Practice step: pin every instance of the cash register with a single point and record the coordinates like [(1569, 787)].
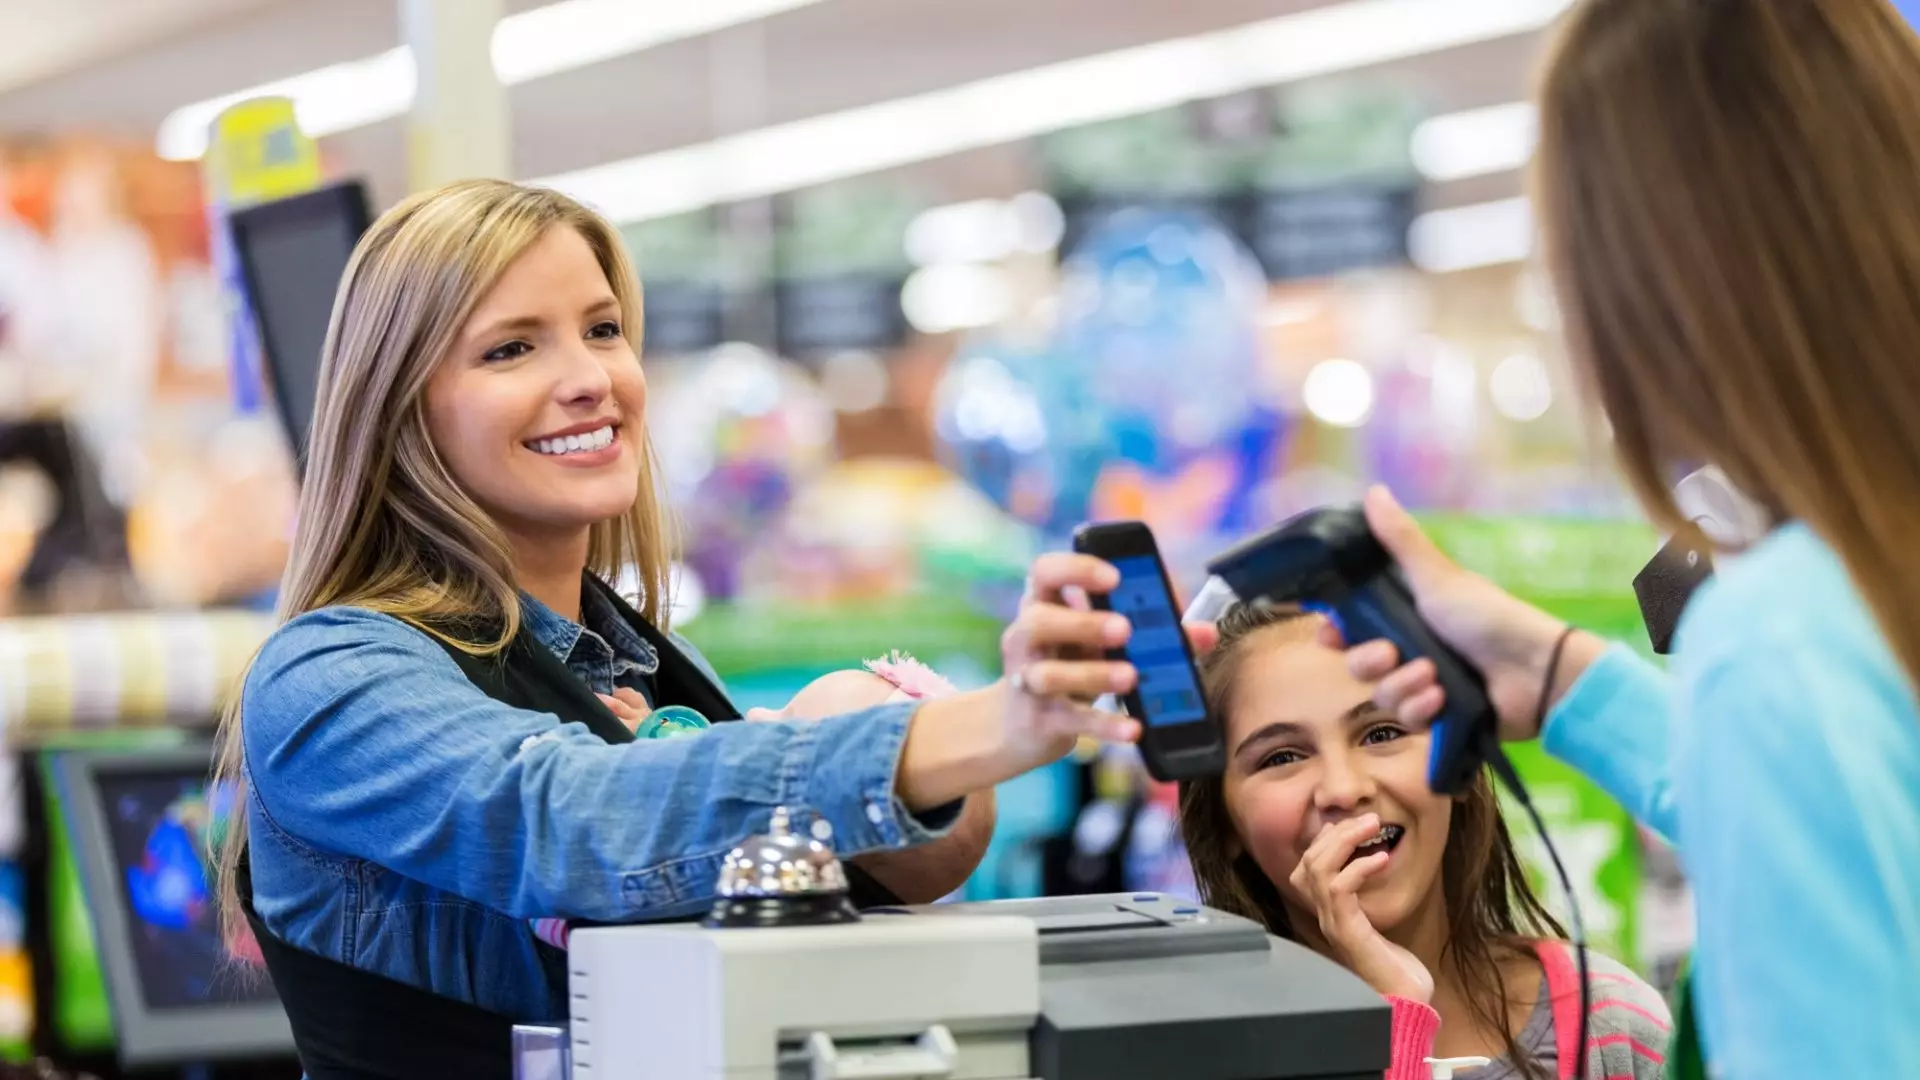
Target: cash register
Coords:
[(784, 980)]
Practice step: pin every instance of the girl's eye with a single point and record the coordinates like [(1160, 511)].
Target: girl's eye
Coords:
[(605, 331), (512, 350), (1382, 733), (1281, 757)]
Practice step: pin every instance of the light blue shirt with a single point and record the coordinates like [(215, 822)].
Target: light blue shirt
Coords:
[(1782, 758)]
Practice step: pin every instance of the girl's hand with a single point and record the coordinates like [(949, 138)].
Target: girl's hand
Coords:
[(1332, 885), (1509, 640), (628, 706)]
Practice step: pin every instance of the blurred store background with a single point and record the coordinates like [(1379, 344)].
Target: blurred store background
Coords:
[(928, 282)]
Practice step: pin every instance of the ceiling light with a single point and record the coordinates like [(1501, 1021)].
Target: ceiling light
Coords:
[(1520, 388), (533, 44), (1479, 142), (983, 230), (1485, 234), (1008, 108), (1339, 392), (330, 100), (576, 33), (956, 296)]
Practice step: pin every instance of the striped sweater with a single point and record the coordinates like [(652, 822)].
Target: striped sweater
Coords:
[(1627, 1025)]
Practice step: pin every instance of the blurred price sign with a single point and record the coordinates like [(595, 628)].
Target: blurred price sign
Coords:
[(258, 153), (1327, 230)]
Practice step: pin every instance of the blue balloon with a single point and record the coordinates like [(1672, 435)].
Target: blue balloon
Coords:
[(1155, 362), (1160, 319)]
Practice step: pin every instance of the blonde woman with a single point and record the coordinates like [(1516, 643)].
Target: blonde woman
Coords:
[(435, 744)]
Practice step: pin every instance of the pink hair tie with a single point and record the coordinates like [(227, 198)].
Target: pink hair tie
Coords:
[(911, 679)]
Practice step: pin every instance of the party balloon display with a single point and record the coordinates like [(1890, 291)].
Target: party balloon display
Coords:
[(1148, 401), (737, 433)]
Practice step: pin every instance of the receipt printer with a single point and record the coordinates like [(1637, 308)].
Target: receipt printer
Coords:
[(785, 982)]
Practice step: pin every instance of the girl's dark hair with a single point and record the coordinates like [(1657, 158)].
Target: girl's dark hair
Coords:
[(1492, 912)]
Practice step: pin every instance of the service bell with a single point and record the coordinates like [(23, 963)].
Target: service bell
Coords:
[(782, 879)]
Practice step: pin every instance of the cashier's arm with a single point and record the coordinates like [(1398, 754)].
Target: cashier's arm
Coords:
[(923, 874)]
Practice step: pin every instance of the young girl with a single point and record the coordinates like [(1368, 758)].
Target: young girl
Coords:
[(1324, 830)]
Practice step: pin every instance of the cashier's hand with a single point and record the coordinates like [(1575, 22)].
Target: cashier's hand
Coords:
[(1328, 881), (1508, 639), (628, 706), (1054, 655)]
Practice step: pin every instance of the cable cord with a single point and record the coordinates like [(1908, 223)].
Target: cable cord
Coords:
[(1496, 759), (1503, 768)]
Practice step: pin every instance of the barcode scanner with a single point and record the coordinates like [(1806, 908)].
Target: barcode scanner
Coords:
[(1329, 560)]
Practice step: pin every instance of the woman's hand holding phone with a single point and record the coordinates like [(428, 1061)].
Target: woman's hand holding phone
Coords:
[(1510, 641), (1331, 879), (1055, 658)]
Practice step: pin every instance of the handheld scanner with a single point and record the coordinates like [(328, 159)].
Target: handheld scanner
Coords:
[(1329, 561)]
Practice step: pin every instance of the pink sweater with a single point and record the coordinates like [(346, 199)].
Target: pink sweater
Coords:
[(1627, 1023)]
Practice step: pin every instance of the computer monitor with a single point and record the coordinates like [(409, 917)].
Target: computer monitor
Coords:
[(142, 824), (292, 253)]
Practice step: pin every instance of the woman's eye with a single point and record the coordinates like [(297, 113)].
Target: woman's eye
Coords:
[(1281, 757), (510, 351), (605, 330), (1384, 733)]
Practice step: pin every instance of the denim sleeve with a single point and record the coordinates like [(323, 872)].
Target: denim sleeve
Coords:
[(364, 740), (1614, 726)]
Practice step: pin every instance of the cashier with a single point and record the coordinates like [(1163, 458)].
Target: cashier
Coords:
[(427, 745)]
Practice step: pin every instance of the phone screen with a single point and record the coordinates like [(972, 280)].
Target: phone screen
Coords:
[(1158, 648)]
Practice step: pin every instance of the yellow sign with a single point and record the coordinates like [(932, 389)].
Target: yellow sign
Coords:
[(258, 154)]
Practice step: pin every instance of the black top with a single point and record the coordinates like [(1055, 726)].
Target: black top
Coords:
[(350, 1024)]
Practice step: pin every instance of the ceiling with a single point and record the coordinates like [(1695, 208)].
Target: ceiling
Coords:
[(40, 39), (160, 54)]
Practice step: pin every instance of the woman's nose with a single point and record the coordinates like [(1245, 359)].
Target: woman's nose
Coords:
[(583, 378)]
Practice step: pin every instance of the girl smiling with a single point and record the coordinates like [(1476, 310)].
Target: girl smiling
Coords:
[(1324, 830)]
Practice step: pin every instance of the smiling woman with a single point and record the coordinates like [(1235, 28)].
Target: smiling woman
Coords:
[(427, 746), (1324, 830), (529, 409)]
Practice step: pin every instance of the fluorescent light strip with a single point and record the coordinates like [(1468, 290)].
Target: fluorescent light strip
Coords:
[(530, 45), (1470, 237), (1011, 107), (561, 37), (1478, 142), (327, 101)]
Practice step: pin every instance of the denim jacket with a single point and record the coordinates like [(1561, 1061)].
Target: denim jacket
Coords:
[(401, 821)]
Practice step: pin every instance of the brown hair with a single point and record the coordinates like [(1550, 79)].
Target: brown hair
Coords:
[(1491, 910), (1726, 190), (383, 524)]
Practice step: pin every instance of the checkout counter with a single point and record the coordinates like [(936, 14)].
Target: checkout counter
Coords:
[(785, 981)]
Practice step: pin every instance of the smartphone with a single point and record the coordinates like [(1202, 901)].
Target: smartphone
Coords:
[(1180, 739)]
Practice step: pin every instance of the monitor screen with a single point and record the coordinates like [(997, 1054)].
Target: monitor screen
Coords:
[(144, 826), (292, 254), (162, 824)]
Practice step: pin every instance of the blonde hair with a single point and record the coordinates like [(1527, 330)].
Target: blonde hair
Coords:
[(383, 524), (1726, 192)]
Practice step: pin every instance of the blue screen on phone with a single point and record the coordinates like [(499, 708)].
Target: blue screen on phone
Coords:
[(1168, 693)]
